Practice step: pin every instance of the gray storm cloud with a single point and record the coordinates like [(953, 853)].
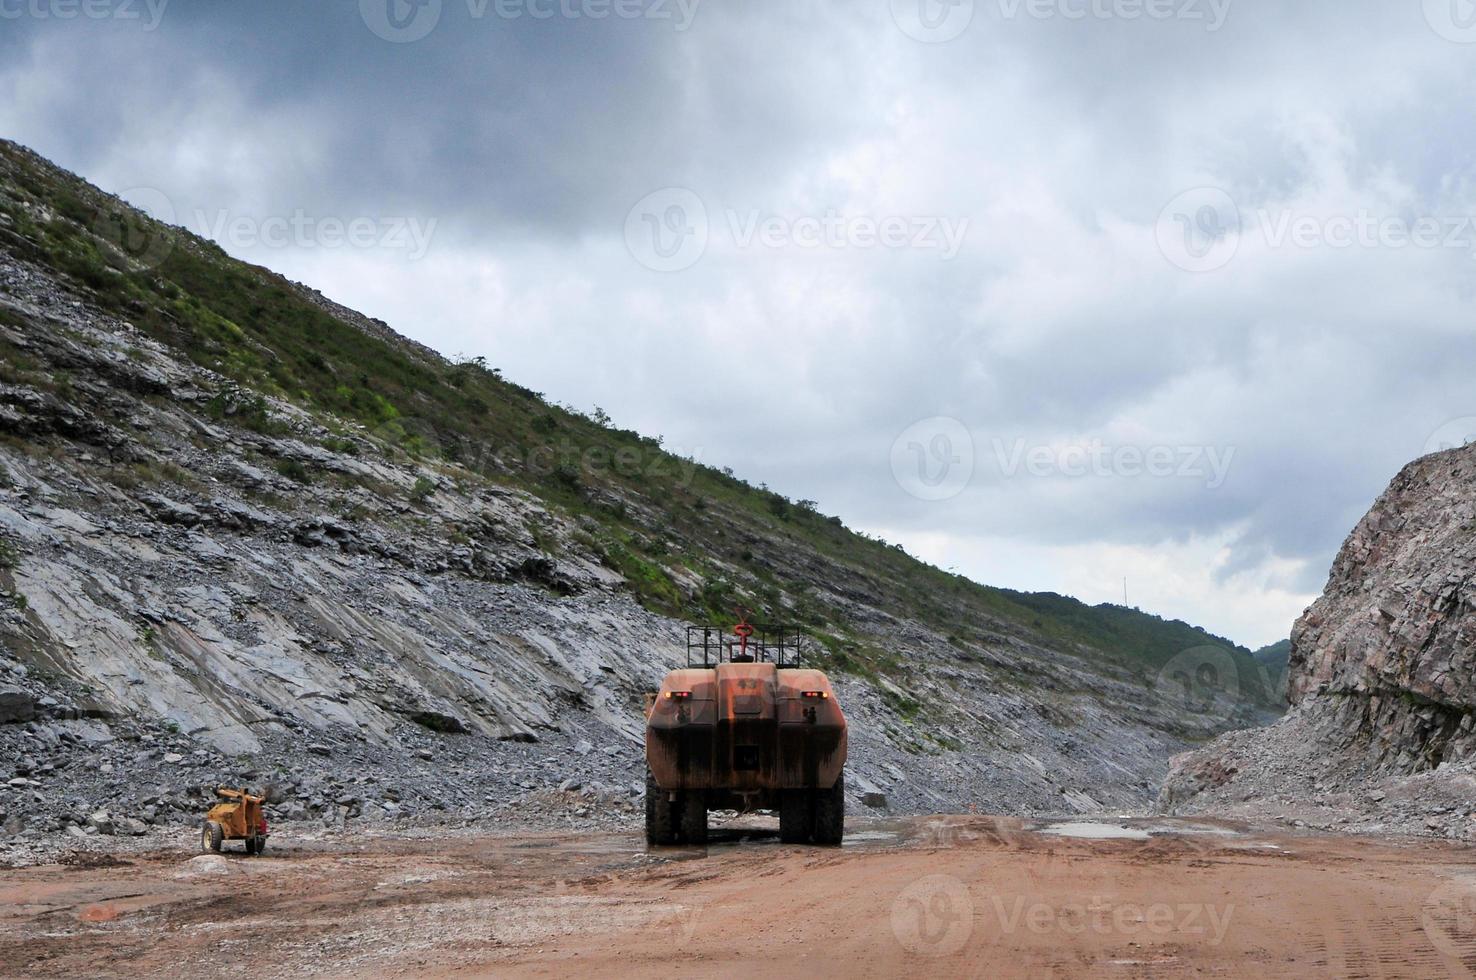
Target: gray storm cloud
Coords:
[(1096, 292)]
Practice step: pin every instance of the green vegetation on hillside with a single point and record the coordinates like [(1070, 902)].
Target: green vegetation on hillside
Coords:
[(655, 518), (1275, 656), (1275, 660), (1150, 641)]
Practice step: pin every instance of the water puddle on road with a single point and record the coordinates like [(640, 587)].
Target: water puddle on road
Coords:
[(1095, 831), (1192, 830)]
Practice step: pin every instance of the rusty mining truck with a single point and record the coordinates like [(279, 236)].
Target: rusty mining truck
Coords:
[(744, 728)]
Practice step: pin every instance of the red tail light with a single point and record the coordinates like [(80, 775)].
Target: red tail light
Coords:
[(817, 695), (679, 695)]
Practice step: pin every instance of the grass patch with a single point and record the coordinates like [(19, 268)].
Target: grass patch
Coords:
[(648, 579), (293, 470), (421, 492), (148, 638)]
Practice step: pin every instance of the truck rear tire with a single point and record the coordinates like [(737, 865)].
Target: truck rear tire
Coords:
[(694, 817), (795, 820), (660, 820), (830, 813), (250, 846)]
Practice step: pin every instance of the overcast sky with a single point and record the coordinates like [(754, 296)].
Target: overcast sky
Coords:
[(1056, 293)]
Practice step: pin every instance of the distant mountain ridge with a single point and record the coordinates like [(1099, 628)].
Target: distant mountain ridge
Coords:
[(1135, 637)]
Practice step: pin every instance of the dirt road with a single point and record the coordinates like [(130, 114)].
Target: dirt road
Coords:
[(959, 896)]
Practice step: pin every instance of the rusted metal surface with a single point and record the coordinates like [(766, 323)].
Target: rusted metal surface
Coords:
[(746, 729)]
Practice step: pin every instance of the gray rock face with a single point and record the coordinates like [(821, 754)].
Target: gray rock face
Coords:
[(1394, 636), (16, 706), (1383, 665)]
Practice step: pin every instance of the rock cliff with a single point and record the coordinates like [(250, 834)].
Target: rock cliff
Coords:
[(1382, 672)]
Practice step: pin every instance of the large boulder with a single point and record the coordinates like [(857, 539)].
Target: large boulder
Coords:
[(16, 706)]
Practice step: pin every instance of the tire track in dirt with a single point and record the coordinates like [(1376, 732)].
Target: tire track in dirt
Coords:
[(957, 896)]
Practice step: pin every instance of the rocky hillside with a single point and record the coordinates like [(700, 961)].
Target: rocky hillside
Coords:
[(1382, 675), (248, 535)]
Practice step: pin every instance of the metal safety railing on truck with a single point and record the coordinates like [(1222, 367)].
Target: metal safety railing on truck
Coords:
[(708, 646)]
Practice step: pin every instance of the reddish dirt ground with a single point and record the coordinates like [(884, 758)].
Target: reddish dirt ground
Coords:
[(934, 897)]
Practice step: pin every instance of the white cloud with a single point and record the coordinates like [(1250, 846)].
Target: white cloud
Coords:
[(1059, 323), (1170, 579)]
